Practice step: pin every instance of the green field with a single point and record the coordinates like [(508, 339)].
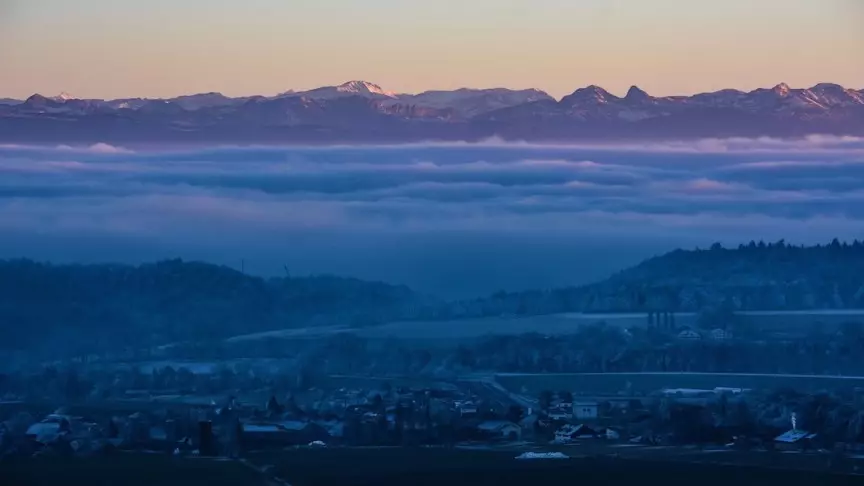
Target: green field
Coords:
[(558, 324), (447, 332), (611, 383), (333, 382)]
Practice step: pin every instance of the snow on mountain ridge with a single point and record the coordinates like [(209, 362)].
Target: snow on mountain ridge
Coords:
[(592, 93), (472, 102), (355, 106), (782, 89), (63, 96), (364, 87)]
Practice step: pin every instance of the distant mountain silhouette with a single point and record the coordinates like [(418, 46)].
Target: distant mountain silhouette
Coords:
[(359, 111)]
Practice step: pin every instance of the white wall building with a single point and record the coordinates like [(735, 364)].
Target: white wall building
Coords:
[(585, 410)]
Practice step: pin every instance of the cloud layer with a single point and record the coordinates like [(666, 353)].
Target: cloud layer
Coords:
[(406, 211)]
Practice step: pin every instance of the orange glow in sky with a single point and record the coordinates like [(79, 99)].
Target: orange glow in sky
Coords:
[(160, 48)]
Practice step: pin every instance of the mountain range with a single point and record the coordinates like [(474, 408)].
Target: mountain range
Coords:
[(359, 111)]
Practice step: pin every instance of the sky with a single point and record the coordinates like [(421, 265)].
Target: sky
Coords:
[(163, 48), (454, 220)]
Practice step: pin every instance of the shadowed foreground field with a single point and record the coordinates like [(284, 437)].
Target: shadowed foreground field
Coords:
[(394, 466), (124, 469), (388, 466)]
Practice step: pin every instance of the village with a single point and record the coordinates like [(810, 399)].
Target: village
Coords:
[(682, 424)]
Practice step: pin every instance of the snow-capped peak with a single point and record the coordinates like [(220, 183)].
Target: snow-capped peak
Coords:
[(364, 87), (781, 89), (829, 95), (593, 93), (63, 96)]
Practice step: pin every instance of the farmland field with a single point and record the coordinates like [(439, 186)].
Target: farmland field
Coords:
[(790, 321), (555, 324), (611, 383)]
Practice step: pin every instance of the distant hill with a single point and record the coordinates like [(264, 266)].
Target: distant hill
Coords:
[(363, 112), (48, 306), (756, 276), (99, 307)]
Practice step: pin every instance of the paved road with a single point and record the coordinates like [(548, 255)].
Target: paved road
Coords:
[(488, 389)]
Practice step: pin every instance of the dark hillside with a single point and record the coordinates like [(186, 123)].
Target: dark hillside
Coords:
[(121, 305), (756, 276)]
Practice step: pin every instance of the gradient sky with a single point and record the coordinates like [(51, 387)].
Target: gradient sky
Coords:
[(125, 48)]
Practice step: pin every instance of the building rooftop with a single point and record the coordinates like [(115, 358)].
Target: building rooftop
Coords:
[(492, 425), (792, 436)]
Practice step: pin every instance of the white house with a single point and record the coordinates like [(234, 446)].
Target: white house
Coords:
[(585, 410), (689, 335), (721, 335)]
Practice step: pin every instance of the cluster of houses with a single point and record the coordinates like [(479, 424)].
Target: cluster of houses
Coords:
[(360, 417)]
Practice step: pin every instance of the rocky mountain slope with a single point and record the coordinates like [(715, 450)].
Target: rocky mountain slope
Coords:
[(359, 111)]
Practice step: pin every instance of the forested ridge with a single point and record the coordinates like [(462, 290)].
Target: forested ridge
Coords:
[(753, 276), (174, 300), (108, 305)]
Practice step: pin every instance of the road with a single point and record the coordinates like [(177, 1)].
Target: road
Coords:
[(489, 389)]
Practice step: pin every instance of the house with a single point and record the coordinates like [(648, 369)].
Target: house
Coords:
[(529, 424), (335, 429), (561, 411), (44, 432), (689, 335), (50, 428), (500, 430), (585, 410), (466, 409), (568, 433), (281, 434), (721, 335), (794, 440)]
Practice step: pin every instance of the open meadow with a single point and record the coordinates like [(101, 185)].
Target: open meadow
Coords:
[(448, 331), (612, 383)]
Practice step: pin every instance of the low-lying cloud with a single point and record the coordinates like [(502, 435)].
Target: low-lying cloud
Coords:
[(448, 218)]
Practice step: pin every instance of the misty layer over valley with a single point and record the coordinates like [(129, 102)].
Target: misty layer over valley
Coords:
[(465, 237), (454, 221)]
